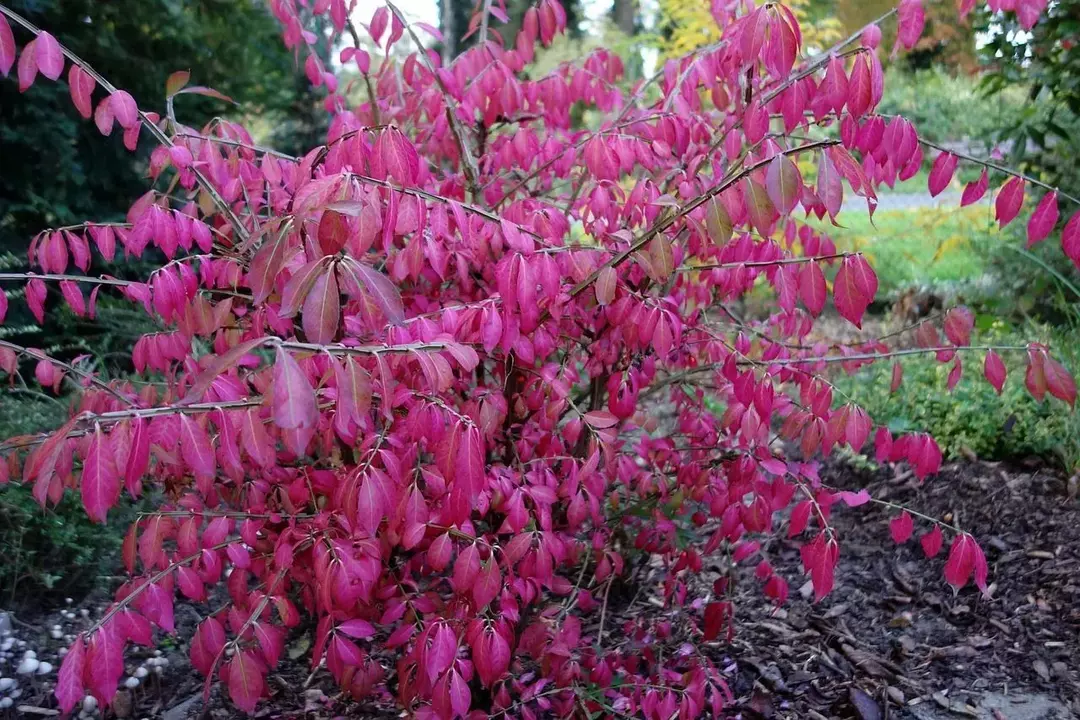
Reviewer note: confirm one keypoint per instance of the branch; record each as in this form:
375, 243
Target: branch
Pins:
1000, 168
103, 280
766, 263
70, 368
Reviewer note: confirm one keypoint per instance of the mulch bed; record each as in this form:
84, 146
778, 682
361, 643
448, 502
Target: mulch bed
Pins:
893, 640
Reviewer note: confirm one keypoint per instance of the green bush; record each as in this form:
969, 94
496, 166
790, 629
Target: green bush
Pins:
973, 418
945, 107
48, 554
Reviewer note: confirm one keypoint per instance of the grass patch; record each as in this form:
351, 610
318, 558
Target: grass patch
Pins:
941, 247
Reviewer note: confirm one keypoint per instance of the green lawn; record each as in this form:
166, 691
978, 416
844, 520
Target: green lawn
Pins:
939, 247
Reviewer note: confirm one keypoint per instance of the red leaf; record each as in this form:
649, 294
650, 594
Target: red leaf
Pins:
356, 628
299, 285
81, 86
1058, 381
819, 558
460, 696
124, 109
965, 557
491, 654
395, 157
50, 59
974, 190
246, 681
605, 286
442, 651
333, 232
860, 93
812, 287
901, 527
1043, 219
1070, 240
931, 542
104, 663
377, 286
1009, 201
176, 82
353, 389
783, 182
487, 585
271, 641
897, 377
941, 174
28, 67
156, 604
800, 518
293, 400
466, 568
994, 370
196, 449
959, 321
100, 482
69, 682
264, 268
322, 309
854, 289
601, 419
7, 47
209, 640
911, 19
469, 465
716, 614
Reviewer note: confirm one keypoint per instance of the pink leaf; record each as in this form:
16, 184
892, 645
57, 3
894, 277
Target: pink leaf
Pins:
1009, 201
1070, 239
293, 401
1058, 381
196, 449
1043, 219
124, 109
860, 92
994, 370
911, 21
7, 47
28, 67
854, 288
442, 651
81, 85
901, 527
322, 309
812, 287
356, 628
69, 682
50, 59
941, 174
931, 542
104, 663
965, 557
959, 321
246, 680
488, 584
783, 183
207, 643
100, 482
974, 191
